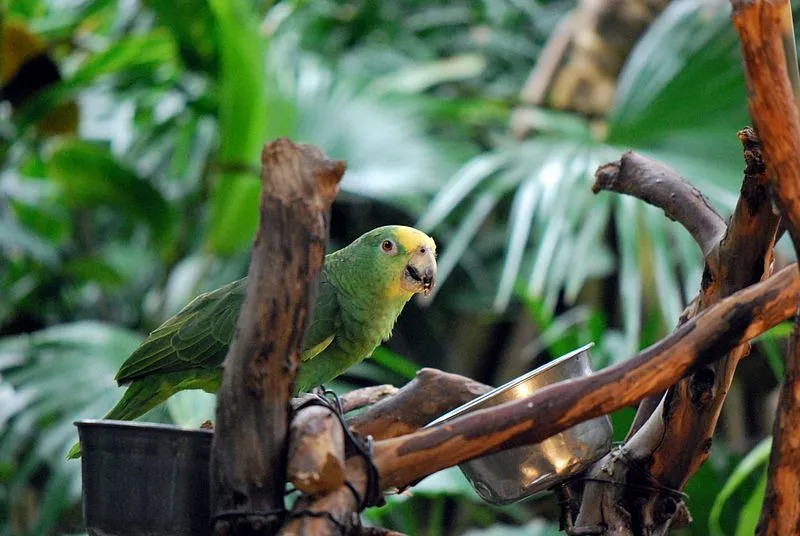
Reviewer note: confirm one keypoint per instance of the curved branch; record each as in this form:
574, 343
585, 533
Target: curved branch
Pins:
767, 39
661, 186
430, 394
708, 336
406, 459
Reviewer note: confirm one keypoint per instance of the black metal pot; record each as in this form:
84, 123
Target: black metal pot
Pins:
144, 479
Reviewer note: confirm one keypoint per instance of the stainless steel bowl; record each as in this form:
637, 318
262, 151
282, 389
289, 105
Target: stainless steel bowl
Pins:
520, 472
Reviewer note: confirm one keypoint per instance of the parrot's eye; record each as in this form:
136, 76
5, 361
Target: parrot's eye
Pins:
388, 247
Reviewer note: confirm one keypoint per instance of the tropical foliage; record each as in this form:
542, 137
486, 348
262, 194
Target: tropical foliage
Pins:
128, 184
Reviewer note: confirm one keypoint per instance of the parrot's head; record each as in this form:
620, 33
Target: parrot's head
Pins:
404, 256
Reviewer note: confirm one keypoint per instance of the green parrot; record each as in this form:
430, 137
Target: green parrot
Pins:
362, 290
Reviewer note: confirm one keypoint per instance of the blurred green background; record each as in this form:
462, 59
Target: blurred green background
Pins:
130, 134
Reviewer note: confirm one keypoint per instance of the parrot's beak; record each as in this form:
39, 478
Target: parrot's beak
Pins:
420, 272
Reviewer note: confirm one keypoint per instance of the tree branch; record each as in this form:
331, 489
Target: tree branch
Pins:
661, 186
430, 394
406, 459
763, 27
689, 413
548, 411
249, 446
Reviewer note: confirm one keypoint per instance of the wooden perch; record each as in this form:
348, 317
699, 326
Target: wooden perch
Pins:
430, 394
661, 186
248, 452
316, 443
408, 458
366, 396
763, 28
316, 451
553, 409
689, 414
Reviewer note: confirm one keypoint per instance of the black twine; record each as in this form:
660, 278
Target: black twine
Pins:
276, 514
657, 487
327, 515
362, 447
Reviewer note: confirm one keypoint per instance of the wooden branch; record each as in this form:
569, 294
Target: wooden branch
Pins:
743, 257
689, 413
336, 512
771, 100
762, 28
661, 186
430, 394
406, 459
248, 451
366, 396
702, 339
316, 451
780, 513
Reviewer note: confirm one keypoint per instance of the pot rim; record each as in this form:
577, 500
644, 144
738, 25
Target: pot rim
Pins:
151, 426
508, 385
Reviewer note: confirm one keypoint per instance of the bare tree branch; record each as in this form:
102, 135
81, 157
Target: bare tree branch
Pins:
764, 27
249, 446
430, 394
701, 340
689, 413
405, 459
661, 186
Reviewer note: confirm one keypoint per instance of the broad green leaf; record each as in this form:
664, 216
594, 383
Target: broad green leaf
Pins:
459, 186
394, 362
419, 77
192, 24
691, 44
630, 279
244, 115
155, 50
463, 236
520, 219
91, 176
750, 513
192, 408
669, 297
757, 457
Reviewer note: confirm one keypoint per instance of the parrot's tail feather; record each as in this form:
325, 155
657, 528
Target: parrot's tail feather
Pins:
74, 452
138, 399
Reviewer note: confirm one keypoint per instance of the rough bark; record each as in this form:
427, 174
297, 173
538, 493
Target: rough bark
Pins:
661, 186
430, 394
406, 459
763, 28
249, 446
688, 415
548, 411
316, 451
366, 396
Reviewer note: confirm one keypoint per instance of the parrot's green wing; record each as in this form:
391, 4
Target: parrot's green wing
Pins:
325, 320
197, 336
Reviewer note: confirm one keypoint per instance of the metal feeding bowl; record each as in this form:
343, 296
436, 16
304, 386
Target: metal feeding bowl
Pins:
520, 472
144, 479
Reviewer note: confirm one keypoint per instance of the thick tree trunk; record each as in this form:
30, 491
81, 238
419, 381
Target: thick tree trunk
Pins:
249, 448
763, 27
578, 69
